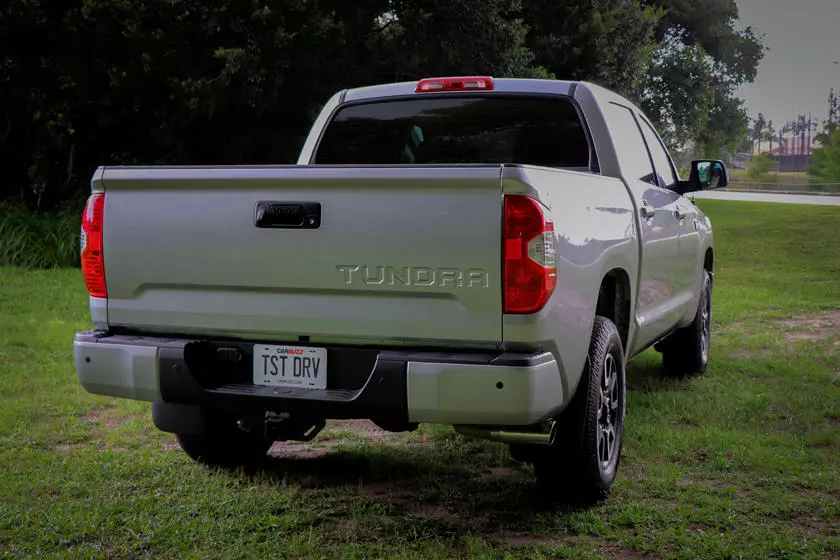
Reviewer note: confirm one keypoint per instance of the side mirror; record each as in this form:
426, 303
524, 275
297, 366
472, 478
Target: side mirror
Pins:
706, 174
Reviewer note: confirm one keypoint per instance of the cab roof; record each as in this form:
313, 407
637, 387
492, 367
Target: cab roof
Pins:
501, 85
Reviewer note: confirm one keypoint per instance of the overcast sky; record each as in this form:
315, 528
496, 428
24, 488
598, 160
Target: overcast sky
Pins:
798, 70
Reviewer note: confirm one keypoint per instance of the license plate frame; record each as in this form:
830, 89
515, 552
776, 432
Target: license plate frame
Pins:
286, 365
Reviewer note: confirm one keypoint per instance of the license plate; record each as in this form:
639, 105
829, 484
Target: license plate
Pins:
290, 366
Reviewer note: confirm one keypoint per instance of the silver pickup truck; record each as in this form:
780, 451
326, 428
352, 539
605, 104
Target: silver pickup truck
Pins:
483, 253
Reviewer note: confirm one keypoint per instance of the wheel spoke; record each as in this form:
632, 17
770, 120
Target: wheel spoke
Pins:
605, 453
603, 447
608, 380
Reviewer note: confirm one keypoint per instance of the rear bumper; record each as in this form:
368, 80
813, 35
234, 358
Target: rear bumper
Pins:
381, 385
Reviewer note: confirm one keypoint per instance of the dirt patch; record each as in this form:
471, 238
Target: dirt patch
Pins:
430, 511
329, 439
379, 490
499, 472
701, 528
816, 526
363, 428
617, 552
407, 501
748, 354
521, 539
94, 415
298, 450
817, 327
821, 326
101, 416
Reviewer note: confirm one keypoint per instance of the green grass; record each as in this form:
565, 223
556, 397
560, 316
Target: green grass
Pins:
44, 240
739, 463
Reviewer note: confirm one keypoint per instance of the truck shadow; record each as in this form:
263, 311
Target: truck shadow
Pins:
647, 375
449, 486
448, 483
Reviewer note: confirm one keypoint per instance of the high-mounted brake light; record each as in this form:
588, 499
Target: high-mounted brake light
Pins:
93, 260
530, 275
471, 83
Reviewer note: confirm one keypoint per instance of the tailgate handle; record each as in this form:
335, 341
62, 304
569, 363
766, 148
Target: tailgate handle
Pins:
288, 215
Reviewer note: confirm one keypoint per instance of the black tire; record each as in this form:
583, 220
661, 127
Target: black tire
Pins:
581, 464
223, 443
686, 352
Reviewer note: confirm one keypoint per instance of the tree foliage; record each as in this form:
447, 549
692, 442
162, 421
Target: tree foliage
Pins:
102, 82
604, 41
825, 161
760, 166
701, 59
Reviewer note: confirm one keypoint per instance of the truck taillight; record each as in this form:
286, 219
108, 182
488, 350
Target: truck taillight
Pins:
93, 261
529, 274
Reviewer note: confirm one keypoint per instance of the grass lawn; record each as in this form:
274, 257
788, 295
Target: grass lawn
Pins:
743, 462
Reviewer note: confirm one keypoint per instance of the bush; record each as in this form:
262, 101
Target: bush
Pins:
760, 167
42, 240
825, 163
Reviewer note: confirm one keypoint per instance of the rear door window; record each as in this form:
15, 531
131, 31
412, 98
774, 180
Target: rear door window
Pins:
662, 162
629, 144
457, 130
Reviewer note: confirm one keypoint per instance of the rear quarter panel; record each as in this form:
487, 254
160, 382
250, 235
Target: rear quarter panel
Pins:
595, 232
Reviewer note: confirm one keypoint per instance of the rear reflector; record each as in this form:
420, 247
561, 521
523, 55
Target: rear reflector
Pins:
530, 274
93, 260
472, 83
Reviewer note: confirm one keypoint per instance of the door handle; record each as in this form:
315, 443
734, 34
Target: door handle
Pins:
288, 215
647, 211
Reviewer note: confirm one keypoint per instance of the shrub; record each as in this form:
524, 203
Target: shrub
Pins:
760, 167
40, 240
825, 163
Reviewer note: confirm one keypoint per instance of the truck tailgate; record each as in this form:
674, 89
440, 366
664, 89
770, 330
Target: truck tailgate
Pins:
397, 253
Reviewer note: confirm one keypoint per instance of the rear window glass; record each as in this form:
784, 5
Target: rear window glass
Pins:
457, 130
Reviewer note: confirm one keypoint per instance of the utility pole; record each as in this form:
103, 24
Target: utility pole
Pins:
808, 148
802, 135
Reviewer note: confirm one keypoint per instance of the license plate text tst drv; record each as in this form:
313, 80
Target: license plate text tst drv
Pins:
290, 366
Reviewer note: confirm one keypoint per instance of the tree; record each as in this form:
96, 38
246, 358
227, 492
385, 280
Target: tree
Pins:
770, 134
119, 81
833, 119
701, 46
422, 38
604, 41
673, 94
724, 127
105, 82
759, 127
825, 162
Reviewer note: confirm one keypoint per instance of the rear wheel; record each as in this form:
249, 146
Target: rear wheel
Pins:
581, 463
686, 352
222, 443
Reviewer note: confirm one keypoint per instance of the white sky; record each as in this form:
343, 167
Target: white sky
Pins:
798, 70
